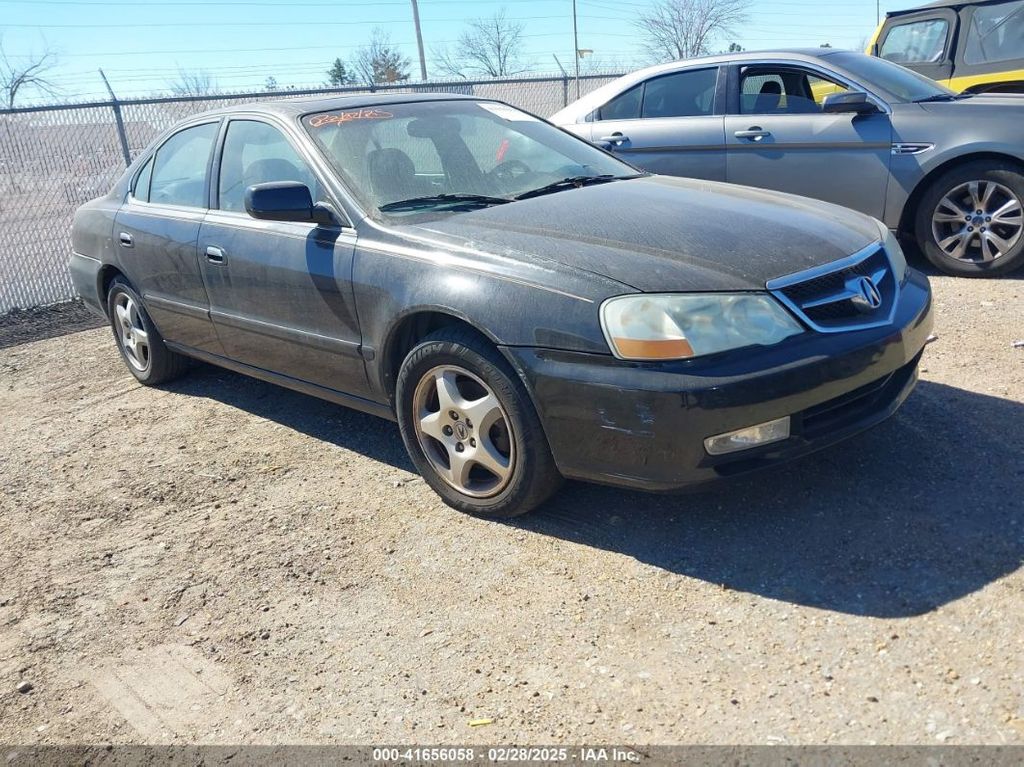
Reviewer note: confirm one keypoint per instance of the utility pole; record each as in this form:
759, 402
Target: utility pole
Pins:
419, 40
575, 47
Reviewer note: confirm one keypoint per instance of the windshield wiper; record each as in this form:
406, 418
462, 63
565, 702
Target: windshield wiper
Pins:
573, 182
943, 97
443, 200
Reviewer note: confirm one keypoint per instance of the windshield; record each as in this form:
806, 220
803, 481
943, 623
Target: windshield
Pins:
482, 152
900, 83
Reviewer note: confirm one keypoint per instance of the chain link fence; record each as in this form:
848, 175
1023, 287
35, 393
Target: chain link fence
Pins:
52, 159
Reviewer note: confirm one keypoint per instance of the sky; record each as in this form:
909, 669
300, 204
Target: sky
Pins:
142, 44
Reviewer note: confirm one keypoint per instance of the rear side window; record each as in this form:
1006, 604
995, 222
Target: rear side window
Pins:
683, 94
625, 106
996, 33
179, 168
918, 42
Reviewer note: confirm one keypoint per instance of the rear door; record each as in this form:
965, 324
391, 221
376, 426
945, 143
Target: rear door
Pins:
779, 138
156, 230
280, 292
672, 124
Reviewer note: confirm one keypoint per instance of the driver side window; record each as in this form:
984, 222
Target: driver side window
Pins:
785, 90
256, 153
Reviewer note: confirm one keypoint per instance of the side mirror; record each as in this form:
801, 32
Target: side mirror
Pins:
848, 102
285, 201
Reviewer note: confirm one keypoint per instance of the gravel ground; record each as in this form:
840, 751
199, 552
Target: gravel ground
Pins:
222, 561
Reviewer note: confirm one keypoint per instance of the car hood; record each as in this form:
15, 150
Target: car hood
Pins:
660, 233
1006, 106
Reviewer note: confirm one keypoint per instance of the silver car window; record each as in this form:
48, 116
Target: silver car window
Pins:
690, 93
784, 90
625, 106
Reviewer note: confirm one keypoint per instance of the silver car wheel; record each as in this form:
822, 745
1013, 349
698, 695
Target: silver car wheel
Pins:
131, 333
464, 431
979, 221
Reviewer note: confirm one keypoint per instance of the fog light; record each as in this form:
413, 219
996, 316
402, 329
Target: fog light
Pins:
752, 436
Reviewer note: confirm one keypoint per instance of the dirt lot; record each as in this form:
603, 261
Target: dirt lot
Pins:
226, 562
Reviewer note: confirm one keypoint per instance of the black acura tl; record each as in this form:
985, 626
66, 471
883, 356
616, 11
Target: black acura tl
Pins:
526, 306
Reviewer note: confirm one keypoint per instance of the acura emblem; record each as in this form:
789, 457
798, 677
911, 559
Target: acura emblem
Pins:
865, 294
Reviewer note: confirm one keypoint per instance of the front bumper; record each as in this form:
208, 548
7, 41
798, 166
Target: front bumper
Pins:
643, 425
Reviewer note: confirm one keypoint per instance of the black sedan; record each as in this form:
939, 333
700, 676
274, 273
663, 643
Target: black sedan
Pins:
525, 305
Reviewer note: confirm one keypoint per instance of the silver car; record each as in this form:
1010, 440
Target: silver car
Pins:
942, 169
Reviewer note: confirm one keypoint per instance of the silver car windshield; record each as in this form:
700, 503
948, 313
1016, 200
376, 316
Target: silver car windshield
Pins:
899, 83
450, 155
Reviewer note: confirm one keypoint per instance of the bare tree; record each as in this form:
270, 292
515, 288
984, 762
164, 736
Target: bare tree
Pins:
447, 63
680, 29
197, 83
490, 47
379, 61
30, 75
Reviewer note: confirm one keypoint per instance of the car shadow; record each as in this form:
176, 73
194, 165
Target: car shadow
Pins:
350, 429
920, 511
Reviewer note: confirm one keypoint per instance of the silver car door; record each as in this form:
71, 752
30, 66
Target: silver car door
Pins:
671, 124
779, 138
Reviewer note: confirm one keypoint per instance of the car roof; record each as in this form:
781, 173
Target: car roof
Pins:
956, 4
740, 56
293, 107
599, 95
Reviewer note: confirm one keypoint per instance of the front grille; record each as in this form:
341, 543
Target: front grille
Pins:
852, 294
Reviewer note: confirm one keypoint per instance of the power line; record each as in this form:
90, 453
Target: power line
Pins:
207, 24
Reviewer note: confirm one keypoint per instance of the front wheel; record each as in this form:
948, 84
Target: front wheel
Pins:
970, 222
471, 429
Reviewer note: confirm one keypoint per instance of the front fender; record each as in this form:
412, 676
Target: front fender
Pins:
509, 310
910, 174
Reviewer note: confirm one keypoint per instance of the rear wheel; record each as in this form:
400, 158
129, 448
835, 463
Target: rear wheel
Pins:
470, 427
140, 343
970, 222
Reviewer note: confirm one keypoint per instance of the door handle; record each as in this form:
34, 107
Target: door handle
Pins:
214, 254
616, 139
126, 240
754, 134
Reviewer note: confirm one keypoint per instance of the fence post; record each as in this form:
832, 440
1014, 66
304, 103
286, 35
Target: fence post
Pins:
118, 121
565, 90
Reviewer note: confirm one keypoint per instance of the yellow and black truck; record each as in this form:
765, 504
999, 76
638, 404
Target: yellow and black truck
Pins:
973, 47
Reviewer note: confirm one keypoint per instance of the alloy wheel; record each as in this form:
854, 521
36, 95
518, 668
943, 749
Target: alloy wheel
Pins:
464, 431
131, 332
979, 221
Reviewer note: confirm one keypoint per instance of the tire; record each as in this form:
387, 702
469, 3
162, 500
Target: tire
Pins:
515, 472
958, 190
141, 346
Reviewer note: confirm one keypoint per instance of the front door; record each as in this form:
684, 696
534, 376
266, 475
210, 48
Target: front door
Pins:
669, 124
779, 138
280, 292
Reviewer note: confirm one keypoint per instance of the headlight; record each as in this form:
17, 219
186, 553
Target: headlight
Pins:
896, 257
672, 327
